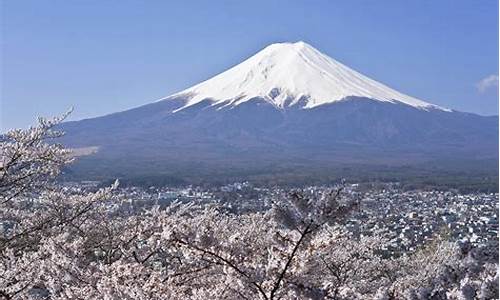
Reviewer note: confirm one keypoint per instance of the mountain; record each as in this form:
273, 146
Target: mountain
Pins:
289, 108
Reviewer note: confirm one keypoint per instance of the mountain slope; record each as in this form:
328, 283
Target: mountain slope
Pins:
287, 107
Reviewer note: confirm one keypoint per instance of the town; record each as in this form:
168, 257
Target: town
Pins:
408, 219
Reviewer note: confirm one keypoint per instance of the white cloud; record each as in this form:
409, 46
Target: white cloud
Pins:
488, 82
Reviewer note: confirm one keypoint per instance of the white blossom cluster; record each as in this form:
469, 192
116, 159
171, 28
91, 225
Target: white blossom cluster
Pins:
56, 244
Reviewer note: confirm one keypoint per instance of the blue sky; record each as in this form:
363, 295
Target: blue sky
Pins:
106, 56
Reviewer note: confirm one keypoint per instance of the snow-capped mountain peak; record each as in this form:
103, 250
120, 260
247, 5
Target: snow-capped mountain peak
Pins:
298, 131
285, 74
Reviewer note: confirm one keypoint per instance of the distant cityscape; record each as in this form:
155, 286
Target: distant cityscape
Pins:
408, 219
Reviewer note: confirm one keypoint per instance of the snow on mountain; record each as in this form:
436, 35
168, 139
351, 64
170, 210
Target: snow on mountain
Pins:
285, 73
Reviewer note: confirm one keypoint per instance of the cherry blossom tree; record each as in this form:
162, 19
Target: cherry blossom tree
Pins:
62, 243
